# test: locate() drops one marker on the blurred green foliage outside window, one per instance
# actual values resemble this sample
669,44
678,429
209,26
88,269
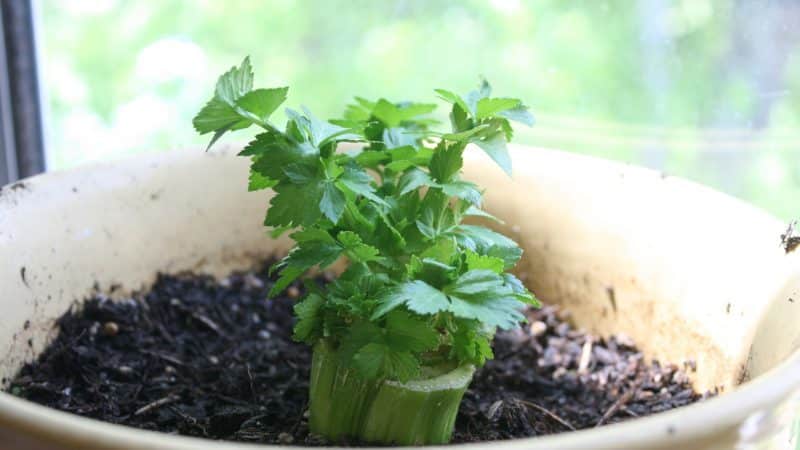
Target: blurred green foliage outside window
705,89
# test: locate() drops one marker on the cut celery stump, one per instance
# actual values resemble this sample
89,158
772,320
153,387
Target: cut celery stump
344,405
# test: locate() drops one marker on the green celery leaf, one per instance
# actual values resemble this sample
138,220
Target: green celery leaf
406,332
399,137
288,275
235,82
488,107
464,190
359,181
319,132
356,249
470,345
459,119
446,162
294,205
378,361
466,135
417,295
477,212
215,115
477,282
453,98
303,257
502,312
476,261
257,181
308,327
276,156
261,103
332,202
392,114
371,158
487,242
313,234
473,97
303,172
520,291
413,180
495,147
519,114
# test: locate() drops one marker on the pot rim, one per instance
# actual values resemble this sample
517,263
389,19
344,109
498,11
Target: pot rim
728,410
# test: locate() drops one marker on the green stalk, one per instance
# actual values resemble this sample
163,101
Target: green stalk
418,412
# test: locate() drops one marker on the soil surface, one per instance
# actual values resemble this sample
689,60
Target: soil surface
214,359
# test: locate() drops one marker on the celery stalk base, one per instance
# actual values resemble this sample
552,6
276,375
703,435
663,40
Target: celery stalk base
345,405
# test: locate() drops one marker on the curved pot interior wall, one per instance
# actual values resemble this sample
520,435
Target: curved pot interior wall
687,272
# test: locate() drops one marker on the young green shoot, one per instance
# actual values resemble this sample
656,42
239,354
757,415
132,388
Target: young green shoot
398,334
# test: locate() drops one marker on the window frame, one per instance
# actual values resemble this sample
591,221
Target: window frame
21,121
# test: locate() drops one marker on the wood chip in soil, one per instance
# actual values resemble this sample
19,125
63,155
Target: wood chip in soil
214,359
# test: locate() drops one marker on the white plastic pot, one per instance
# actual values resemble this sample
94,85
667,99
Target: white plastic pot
687,272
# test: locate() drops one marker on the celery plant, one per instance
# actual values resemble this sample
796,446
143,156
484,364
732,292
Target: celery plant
396,338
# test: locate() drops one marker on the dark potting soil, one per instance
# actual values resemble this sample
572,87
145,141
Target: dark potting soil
199,357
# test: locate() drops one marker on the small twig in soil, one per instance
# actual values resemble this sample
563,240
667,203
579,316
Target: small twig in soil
156,404
252,387
628,411
621,401
586,355
165,357
208,322
549,413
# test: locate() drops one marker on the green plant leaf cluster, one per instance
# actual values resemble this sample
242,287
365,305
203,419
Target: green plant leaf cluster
421,288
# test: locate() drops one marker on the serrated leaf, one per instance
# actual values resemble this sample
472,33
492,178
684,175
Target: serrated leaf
413,180
488,107
393,115
487,242
459,119
294,205
417,295
520,291
287,276
308,327
358,181
371,158
495,147
477,212
273,156
257,181
446,162
470,345
464,190
235,82
492,263
477,282
501,312
302,172
399,137
356,249
453,98
261,103
332,202
376,361
519,114
215,115
406,332
313,234
316,131
466,135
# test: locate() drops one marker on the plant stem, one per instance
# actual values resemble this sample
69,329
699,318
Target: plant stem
344,405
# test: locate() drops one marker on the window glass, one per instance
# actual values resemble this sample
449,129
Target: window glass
709,90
